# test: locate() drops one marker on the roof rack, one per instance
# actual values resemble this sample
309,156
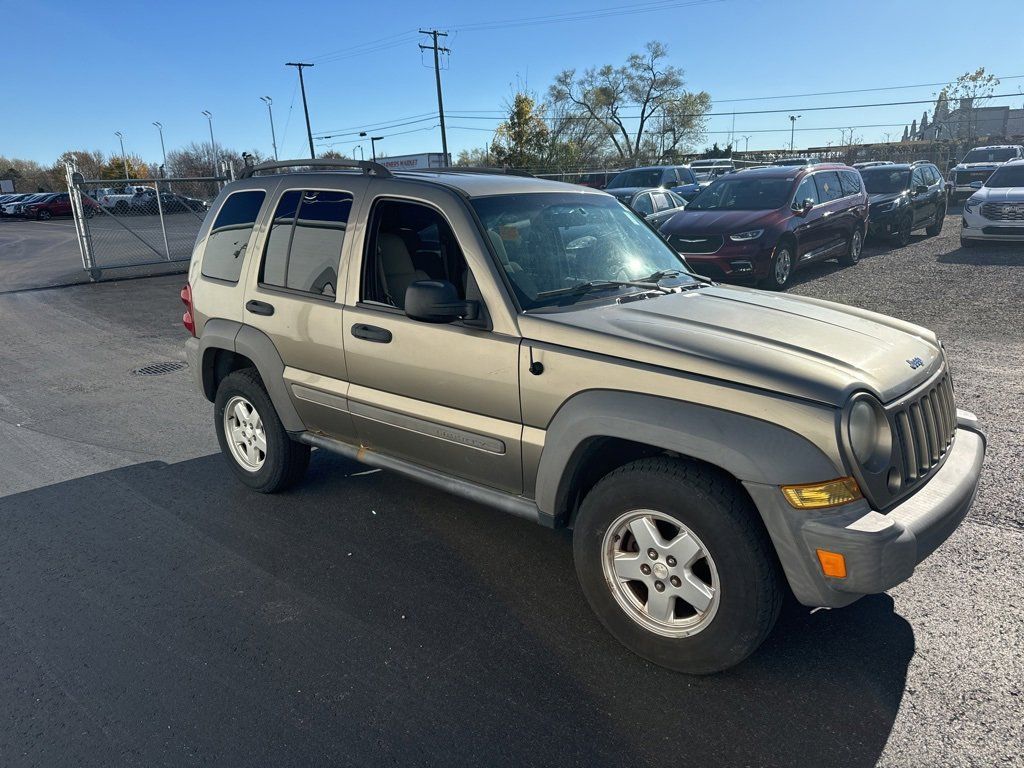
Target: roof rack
366,166
472,169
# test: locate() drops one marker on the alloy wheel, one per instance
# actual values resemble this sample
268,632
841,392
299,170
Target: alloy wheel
660,573
856,245
783,266
243,428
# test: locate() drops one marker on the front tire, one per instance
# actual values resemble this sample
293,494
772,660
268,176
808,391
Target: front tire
252,438
780,270
675,562
904,230
44,216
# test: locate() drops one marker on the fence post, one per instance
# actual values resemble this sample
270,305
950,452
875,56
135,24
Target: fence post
160,213
82,232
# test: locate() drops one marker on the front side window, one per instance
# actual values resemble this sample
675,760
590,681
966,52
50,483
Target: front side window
828,185
229,235
643,204
547,243
806,191
740,193
304,245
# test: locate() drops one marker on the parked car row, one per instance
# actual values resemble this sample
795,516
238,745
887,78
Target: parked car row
996,210
761,225
43,205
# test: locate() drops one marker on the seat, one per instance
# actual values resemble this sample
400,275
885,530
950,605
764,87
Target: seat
396,267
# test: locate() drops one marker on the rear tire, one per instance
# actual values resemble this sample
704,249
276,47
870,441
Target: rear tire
703,517
852,255
935,227
252,438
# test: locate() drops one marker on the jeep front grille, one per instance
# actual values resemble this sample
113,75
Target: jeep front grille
1003,211
698,244
924,430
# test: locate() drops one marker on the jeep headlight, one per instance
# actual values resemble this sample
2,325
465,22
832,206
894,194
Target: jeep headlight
869,434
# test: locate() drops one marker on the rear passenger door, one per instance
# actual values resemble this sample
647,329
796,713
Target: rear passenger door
292,294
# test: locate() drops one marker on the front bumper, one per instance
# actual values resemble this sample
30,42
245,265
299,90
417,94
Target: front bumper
734,261
881,223
976,227
881,550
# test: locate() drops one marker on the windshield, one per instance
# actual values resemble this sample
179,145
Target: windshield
1005,177
736,193
639,177
556,241
882,181
989,155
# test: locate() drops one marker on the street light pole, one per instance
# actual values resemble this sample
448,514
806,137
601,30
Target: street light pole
746,144
792,129
213,144
124,157
163,151
305,106
273,137
373,144
362,154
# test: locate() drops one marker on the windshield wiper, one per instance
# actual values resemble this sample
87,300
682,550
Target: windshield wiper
660,275
599,285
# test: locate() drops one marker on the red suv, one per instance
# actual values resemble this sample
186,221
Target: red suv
762,224
58,204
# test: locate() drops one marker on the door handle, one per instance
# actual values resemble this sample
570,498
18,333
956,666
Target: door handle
371,333
260,307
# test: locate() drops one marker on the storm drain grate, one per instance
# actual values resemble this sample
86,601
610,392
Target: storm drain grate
159,369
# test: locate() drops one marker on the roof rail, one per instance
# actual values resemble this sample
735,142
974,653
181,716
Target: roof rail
366,166
472,169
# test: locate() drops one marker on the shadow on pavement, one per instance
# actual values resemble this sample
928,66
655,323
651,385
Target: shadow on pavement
162,613
990,254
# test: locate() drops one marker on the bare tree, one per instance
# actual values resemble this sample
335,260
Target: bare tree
606,96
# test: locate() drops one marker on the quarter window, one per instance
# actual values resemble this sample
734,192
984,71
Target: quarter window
828,185
229,236
305,240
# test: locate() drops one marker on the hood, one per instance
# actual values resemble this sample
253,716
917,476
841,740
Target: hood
691,222
884,197
792,345
1000,194
987,166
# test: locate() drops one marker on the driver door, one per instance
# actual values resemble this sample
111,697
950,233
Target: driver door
444,396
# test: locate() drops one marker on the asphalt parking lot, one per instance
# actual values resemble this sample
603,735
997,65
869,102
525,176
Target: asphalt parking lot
154,612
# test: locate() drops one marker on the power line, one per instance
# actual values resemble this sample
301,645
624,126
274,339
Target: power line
597,13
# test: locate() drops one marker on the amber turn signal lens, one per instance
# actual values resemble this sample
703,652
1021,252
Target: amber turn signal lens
832,563
821,495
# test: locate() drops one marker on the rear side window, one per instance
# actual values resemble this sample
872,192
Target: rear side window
304,245
229,236
828,186
850,182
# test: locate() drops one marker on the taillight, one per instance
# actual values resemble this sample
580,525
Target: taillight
187,319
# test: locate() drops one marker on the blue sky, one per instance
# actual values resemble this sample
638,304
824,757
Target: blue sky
78,71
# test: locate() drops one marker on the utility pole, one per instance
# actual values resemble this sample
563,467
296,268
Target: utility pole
792,129
124,157
305,106
213,145
273,137
160,127
437,76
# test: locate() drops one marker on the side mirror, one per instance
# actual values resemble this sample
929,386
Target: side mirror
802,209
437,301
921,189
977,185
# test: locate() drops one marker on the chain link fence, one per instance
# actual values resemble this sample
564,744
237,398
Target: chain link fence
139,222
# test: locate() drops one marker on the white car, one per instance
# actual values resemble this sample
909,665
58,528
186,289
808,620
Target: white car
996,210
